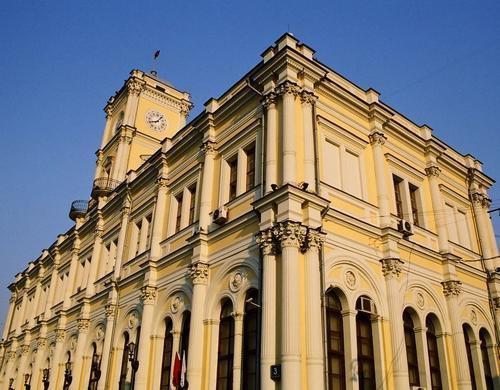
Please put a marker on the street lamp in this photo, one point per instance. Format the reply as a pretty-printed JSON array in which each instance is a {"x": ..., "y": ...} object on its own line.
[
  {"x": 45, "y": 378},
  {"x": 11, "y": 382},
  {"x": 132, "y": 357},
  {"x": 27, "y": 380},
  {"x": 68, "y": 378}
]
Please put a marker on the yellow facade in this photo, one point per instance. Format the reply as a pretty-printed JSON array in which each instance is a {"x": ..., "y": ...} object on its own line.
[{"x": 298, "y": 214}]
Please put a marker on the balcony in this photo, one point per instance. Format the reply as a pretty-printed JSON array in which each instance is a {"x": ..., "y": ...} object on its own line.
[
  {"x": 78, "y": 209},
  {"x": 103, "y": 186}
]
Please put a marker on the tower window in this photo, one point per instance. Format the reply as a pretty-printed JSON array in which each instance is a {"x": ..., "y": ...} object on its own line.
[
  {"x": 411, "y": 350},
  {"x": 179, "y": 212},
  {"x": 250, "y": 176},
  {"x": 226, "y": 348},
  {"x": 192, "y": 200},
  {"x": 413, "y": 202},
  {"x": 335, "y": 345},
  {"x": 233, "y": 177},
  {"x": 397, "y": 195}
]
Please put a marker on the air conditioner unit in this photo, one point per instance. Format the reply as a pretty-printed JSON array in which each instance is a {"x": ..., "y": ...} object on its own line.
[
  {"x": 219, "y": 215},
  {"x": 366, "y": 305},
  {"x": 405, "y": 227}
]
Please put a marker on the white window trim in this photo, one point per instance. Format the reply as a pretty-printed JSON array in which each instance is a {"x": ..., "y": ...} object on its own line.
[{"x": 405, "y": 198}]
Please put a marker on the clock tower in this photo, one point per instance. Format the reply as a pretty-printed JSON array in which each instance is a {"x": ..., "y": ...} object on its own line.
[{"x": 145, "y": 111}]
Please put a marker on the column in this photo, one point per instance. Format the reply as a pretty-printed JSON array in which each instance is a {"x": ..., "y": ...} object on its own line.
[
  {"x": 110, "y": 310},
  {"x": 134, "y": 89},
  {"x": 22, "y": 369},
  {"x": 36, "y": 373},
  {"x": 56, "y": 373},
  {"x": 290, "y": 236},
  {"x": 159, "y": 219},
  {"x": 22, "y": 311},
  {"x": 148, "y": 298},
  {"x": 481, "y": 204},
  {"x": 452, "y": 290},
  {"x": 199, "y": 277},
  {"x": 268, "y": 309},
  {"x": 477, "y": 359},
  {"x": 185, "y": 108},
  {"x": 122, "y": 236},
  {"x": 308, "y": 100},
  {"x": 72, "y": 273},
  {"x": 98, "y": 164},
  {"x": 314, "y": 322},
  {"x": 289, "y": 91},
  {"x": 351, "y": 349},
  {"x": 52, "y": 287},
  {"x": 423, "y": 357},
  {"x": 10, "y": 357},
  {"x": 377, "y": 141},
  {"x": 432, "y": 173},
  {"x": 238, "y": 347},
  {"x": 106, "y": 135},
  {"x": 7, "y": 326},
  {"x": 96, "y": 256},
  {"x": 34, "y": 307},
  {"x": 391, "y": 268},
  {"x": 269, "y": 103},
  {"x": 77, "y": 360},
  {"x": 208, "y": 149},
  {"x": 122, "y": 159}
]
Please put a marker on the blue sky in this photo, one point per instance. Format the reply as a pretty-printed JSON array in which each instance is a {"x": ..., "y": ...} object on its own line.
[{"x": 437, "y": 62}]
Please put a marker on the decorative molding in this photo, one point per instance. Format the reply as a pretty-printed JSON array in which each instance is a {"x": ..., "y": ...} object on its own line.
[
  {"x": 473, "y": 317},
  {"x": 199, "y": 273},
  {"x": 307, "y": 97},
  {"x": 99, "y": 332},
  {"x": 452, "y": 288},
  {"x": 25, "y": 348},
  {"x": 148, "y": 295},
  {"x": 496, "y": 303},
  {"x": 11, "y": 355},
  {"x": 176, "y": 303},
  {"x": 481, "y": 200},
  {"x": 162, "y": 182},
  {"x": 313, "y": 241},
  {"x": 208, "y": 147},
  {"x": 420, "y": 300},
  {"x": 60, "y": 335},
  {"x": 13, "y": 298},
  {"x": 132, "y": 320},
  {"x": 237, "y": 316},
  {"x": 433, "y": 170},
  {"x": 350, "y": 279},
  {"x": 41, "y": 343},
  {"x": 391, "y": 266},
  {"x": 135, "y": 87},
  {"x": 377, "y": 138},
  {"x": 185, "y": 107}
]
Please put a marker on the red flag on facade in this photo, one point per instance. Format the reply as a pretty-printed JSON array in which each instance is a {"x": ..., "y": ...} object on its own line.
[
  {"x": 176, "y": 371},
  {"x": 157, "y": 54}
]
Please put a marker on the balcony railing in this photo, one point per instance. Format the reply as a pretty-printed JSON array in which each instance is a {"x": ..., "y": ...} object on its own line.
[
  {"x": 78, "y": 209},
  {"x": 103, "y": 186}
]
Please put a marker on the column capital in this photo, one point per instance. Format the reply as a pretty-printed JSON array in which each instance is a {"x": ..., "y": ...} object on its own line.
[
  {"x": 391, "y": 266},
  {"x": 83, "y": 325},
  {"x": 269, "y": 100},
  {"x": 185, "y": 107},
  {"x": 265, "y": 240},
  {"x": 11, "y": 355},
  {"x": 496, "y": 303},
  {"x": 13, "y": 297},
  {"x": 199, "y": 273},
  {"x": 162, "y": 182},
  {"x": 377, "y": 138},
  {"x": 452, "y": 288},
  {"x": 208, "y": 148},
  {"x": 109, "y": 311},
  {"x": 148, "y": 295},
  {"x": 41, "y": 343},
  {"x": 288, "y": 87},
  {"x": 433, "y": 170},
  {"x": 289, "y": 234},
  {"x": 25, "y": 348},
  {"x": 60, "y": 335},
  {"x": 135, "y": 87},
  {"x": 314, "y": 240},
  {"x": 481, "y": 199},
  {"x": 308, "y": 97}
]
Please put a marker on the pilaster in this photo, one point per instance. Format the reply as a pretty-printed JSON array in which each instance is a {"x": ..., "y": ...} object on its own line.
[
  {"x": 308, "y": 100},
  {"x": 377, "y": 141},
  {"x": 148, "y": 298},
  {"x": 208, "y": 152},
  {"x": 271, "y": 137}
]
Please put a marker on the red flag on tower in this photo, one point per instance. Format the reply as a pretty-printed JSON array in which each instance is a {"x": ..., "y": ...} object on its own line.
[{"x": 176, "y": 371}]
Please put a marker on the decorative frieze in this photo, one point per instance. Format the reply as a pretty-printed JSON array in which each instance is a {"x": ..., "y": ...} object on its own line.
[
  {"x": 148, "y": 295},
  {"x": 377, "y": 138},
  {"x": 265, "y": 240},
  {"x": 433, "y": 170},
  {"x": 135, "y": 87},
  {"x": 391, "y": 267},
  {"x": 199, "y": 273},
  {"x": 289, "y": 234},
  {"x": 452, "y": 288},
  {"x": 313, "y": 240}
]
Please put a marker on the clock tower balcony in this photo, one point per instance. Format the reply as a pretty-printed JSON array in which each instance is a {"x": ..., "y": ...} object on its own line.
[
  {"x": 78, "y": 209},
  {"x": 103, "y": 186}
]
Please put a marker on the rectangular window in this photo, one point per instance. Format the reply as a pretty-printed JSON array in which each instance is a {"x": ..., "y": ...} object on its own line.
[
  {"x": 414, "y": 206},
  {"x": 233, "y": 177},
  {"x": 352, "y": 175},
  {"x": 331, "y": 166},
  {"x": 192, "y": 200},
  {"x": 450, "y": 223},
  {"x": 179, "y": 212},
  {"x": 138, "y": 228},
  {"x": 149, "y": 219},
  {"x": 463, "y": 229},
  {"x": 397, "y": 195},
  {"x": 250, "y": 178}
]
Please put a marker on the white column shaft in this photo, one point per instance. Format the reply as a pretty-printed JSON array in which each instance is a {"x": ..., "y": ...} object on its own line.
[
  {"x": 195, "y": 356},
  {"x": 268, "y": 332},
  {"x": 289, "y": 135},
  {"x": 350, "y": 349},
  {"x": 440, "y": 217},
  {"x": 238, "y": 347},
  {"x": 307, "y": 123},
  {"x": 290, "y": 317},
  {"x": 55, "y": 364},
  {"x": 141, "y": 377},
  {"x": 271, "y": 147},
  {"x": 206, "y": 191},
  {"x": 158, "y": 223},
  {"x": 314, "y": 323},
  {"x": 7, "y": 325},
  {"x": 106, "y": 350},
  {"x": 77, "y": 362},
  {"x": 121, "y": 245},
  {"x": 380, "y": 179},
  {"x": 94, "y": 263}
]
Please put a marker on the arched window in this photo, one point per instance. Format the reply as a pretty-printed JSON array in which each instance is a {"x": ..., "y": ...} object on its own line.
[
  {"x": 411, "y": 349},
  {"x": 467, "y": 336},
  {"x": 484, "y": 337},
  {"x": 226, "y": 347},
  {"x": 335, "y": 344},
  {"x": 95, "y": 369},
  {"x": 433, "y": 354},
  {"x": 364, "y": 336},
  {"x": 123, "y": 371},
  {"x": 184, "y": 344},
  {"x": 250, "y": 341},
  {"x": 166, "y": 361}
]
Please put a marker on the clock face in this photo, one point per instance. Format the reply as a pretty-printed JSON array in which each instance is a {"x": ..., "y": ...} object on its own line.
[{"x": 156, "y": 120}]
